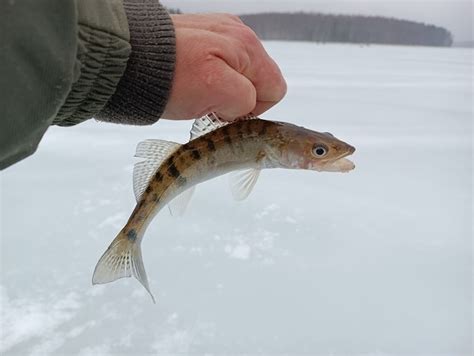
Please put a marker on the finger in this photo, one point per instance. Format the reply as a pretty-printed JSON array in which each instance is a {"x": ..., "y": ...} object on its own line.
[
  {"x": 265, "y": 74},
  {"x": 252, "y": 60},
  {"x": 235, "y": 95},
  {"x": 240, "y": 47},
  {"x": 235, "y": 55},
  {"x": 263, "y": 106}
]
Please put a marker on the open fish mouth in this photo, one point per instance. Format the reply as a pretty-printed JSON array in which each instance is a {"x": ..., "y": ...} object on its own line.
[{"x": 340, "y": 164}]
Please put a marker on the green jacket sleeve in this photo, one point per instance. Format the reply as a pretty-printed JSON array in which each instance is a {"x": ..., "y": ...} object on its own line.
[{"x": 66, "y": 61}]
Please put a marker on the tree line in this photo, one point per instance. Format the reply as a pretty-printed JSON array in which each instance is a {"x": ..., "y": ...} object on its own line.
[
  {"x": 318, "y": 27},
  {"x": 173, "y": 10}
]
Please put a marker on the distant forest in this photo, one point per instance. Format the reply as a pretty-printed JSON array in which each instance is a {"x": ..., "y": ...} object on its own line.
[
  {"x": 173, "y": 10},
  {"x": 317, "y": 27}
]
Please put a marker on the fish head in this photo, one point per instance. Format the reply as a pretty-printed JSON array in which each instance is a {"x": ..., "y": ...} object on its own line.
[{"x": 301, "y": 148}]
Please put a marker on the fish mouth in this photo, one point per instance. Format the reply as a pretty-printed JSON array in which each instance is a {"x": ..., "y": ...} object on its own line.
[
  {"x": 348, "y": 153},
  {"x": 344, "y": 165},
  {"x": 341, "y": 163}
]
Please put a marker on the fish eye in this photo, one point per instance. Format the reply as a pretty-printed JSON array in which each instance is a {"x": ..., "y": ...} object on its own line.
[{"x": 320, "y": 150}]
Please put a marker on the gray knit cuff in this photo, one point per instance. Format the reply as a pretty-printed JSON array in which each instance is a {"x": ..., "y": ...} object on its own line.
[{"x": 143, "y": 90}]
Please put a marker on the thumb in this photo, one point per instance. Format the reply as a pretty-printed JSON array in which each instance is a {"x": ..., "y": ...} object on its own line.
[{"x": 235, "y": 94}]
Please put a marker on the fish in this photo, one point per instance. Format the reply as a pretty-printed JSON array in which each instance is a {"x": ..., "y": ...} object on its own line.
[{"x": 169, "y": 173}]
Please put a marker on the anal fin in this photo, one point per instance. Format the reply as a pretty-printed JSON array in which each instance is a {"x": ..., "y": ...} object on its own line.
[{"x": 178, "y": 205}]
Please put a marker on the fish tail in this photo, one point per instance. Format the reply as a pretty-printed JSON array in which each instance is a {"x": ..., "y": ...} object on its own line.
[{"x": 123, "y": 258}]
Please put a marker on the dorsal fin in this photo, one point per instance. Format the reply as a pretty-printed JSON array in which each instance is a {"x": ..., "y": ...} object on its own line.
[
  {"x": 210, "y": 122},
  {"x": 155, "y": 152},
  {"x": 205, "y": 124}
]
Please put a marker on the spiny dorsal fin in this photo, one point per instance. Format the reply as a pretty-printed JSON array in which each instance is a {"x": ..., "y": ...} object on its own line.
[
  {"x": 210, "y": 122},
  {"x": 205, "y": 124},
  {"x": 155, "y": 152},
  {"x": 242, "y": 182}
]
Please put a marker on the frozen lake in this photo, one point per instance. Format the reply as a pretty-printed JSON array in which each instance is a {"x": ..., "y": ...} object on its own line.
[{"x": 377, "y": 261}]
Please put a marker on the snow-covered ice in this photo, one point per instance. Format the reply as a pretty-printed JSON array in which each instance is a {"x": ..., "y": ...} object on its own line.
[{"x": 377, "y": 261}]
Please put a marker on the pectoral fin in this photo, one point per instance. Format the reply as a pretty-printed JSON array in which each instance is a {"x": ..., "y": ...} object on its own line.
[{"x": 242, "y": 183}]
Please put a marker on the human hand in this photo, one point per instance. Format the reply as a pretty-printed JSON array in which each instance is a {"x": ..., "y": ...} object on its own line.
[{"x": 222, "y": 67}]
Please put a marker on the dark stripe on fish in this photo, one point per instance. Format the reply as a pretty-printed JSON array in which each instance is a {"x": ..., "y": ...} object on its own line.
[
  {"x": 158, "y": 176},
  {"x": 173, "y": 171},
  {"x": 195, "y": 154},
  {"x": 225, "y": 132},
  {"x": 240, "y": 133},
  {"x": 247, "y": 127},
  {"x": 210, "y": 145},
  {"x": 132, "y": 235}
]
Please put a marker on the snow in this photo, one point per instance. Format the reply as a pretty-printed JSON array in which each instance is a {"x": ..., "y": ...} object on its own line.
[{"x": 377, "y": 261}]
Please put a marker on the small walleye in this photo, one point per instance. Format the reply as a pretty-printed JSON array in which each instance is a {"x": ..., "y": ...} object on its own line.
[{"x": 170, "y": 172}]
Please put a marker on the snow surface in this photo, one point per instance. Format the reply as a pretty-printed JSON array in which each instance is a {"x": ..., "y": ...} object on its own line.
[{"x": 377, "y": 261}]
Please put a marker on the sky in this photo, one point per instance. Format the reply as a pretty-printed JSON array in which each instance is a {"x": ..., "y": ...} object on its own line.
[{"x": 454, "y": 15}]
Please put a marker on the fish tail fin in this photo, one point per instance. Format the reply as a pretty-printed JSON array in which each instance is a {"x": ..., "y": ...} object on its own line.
[{"x": 123, "y": 258}]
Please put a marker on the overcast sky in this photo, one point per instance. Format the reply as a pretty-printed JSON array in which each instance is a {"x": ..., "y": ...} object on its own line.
[{"x": 455, "y": 15}]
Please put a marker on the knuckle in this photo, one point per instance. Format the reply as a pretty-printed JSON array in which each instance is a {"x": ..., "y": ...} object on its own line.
[
  {"x": 211, "y": 75},
  {"x": 248, "y": 36},
  {"x": 233, "y": 18},
  {"x": 249, "y": 102},
  {"x": 281, "y": 88},
  {"x": 235, "y": 104},
  {"x": 275, "y": 81}
]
